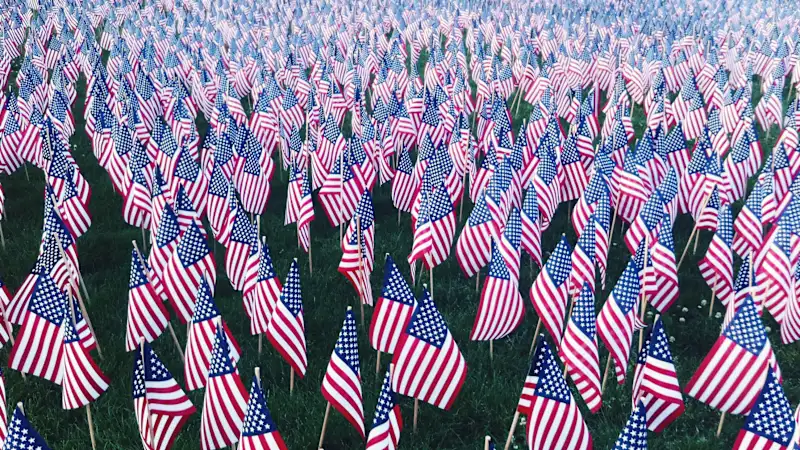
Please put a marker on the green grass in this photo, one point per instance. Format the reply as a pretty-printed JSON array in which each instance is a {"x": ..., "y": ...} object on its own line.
[{"x": 486, "y": 403}]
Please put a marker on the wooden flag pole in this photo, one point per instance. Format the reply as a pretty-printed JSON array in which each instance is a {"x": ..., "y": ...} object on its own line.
[
  {"x": 169, "y": 324},
  {"x": 362, "y": 274},
  {"x": 378, "y": 364},
  {"x": 694, "y": 231},
  {"x": 416, "y": 413},
  {"x": 291, "y": 380},
  {"x": 88, "y": 408},
  {"x": 713, "y": 295},
  {"x": 643, "y": 306},
  {"x": 258, "y": 375},
  {"x": 614, "y": 219},
  {"x": 535, "y": 335},
  {"x": 324, "y": 425},
  {"x": 144, "y": 239},
  {"x": 605, "y": 374},
  {"x": 10, "y": 329},
  {"x": 511, "y": 430},
  {"x": 2, "y": 236},
  {"x": 486, "y": 443},
  {"x": 91, "y": 426},
  {"x": 491, "y": 350},
  {"x": 80, "y": 299},
  {"x": 430, "y": 272},
  {"x": 721, "y": 421}
]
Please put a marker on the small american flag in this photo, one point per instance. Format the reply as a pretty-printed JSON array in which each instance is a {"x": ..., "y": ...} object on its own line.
[
  {"x": 201, "y": 337},
  {"x": 191, "y": 261},
  {"x": 531, "y": 229},
  {"x": 501, "y": 308},
  {"x": 286, "y": 330},
  {"x": 226, "y": 398},
  {"x": 161, "y": 406},
  {"x": 267, "y": 290},
  {"x": 664, "y": 290},
  {"x": 435, "y": 229},
  {"x": 716, "y": 267},
  {"x": 38, "y": 347},
  {"x": 579, "y": 349},
  {"x": 428, "y": 364},
  {"x": 387, "y": 423},
  {"x": 730, "y": 377},
  {"x": 473, "y": 248},
  {"x": 655, "y": 382},
  {"x": 341, "y": 386},
  {"x": 392, "y": 310},
  {"x": 147, "y": 315},
  {"x": 634, "y": 435},
  {"x": 404, "y": 184},
  {"x": 619, "y": 318},
  {"x": 549, "y": 293},
  {"x": 259, "y": 431},
  {"x": 770, "y": 424},
  {"x": 531, "y": 378},
  {"x": 554, "y": 415},
  {"x": 748, "y": 234},
  {"x": 239, "y": 248},
  {"x": 82, "y": 381},
  {"x": 583, "y": 260},
  {"x": 22, "y": 435}
]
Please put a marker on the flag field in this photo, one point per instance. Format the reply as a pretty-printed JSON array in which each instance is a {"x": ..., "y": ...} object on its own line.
[{"x": 489, "y": 396}]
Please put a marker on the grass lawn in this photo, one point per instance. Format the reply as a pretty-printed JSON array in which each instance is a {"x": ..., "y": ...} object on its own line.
[{"x": 487, "y": 401}]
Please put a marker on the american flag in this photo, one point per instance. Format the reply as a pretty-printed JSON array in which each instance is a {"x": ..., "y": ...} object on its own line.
[
  {"x": 587, "y": 203},
  {"x": 434, "y": 230},
  {"x": 201, "y": 338},
  {"x": 550, "y": 293},
  {"x": 716, "y": 267},
  {"x": 428, "y": 364},
  {"x": 252, "y": 175},
  {"x": 773, "y": 265},
  {"x": 191, "y": 261},
  {"x": 74, "y": 211},
  {"x": 532, "y": 377},
  {"x": 393, "y": 309},
  {"x": 286, "y": 330},
  {"x": 743, "y": 162},
  {"x": 531, "y": 230},
  {"x": 583, "y": 260},
  {"x": 38, "y": 347},
  {"x": 655, "y": 382},
  {"x": 265, "y": 294},
  {"x": 184, "y": 210},
  {"x": 82, "y": 382},
  {"x": 579, "y": 349},
  {"x": 226, "y": 397},
  {"x": 259, "y": 431},
  {"x": 161, "y": 406},
  {"x": 548, "y": 190},
  {"x": 137, "y": 207},
  {"x": 748, "y": 234},
  {"x": 575, "y": 179},
  {"x": 632, "y": 192},
  {"x": 22, "y": 435},
  {"x": 217, "y": 199},
  {"x": 501, "y": 308},
  {"x": 646, "y": 222},
  {"x": 473, "y": 248},
  {"x": 634, "y": 435},
  {"x": 770, "y": 424},
  {"x": 744, "y": 285},
  {"x": 554, "y": 415},
  {"x": 50, "y": 263},
  {"x": 341, "y": 386},
  {"x": 387, "y": 422},
  {"x": 188, "y": 174},
  {"x": 664, "y": 290},
  {"x": 147, "y": 315},
  {"x": 404, "y": 184},
  {"x": 164, "y": 241},
  {"x": 730, "y": 377},
  {"x": 619, "y": 318},
  {"x": 358, "y": 248},
  {"x": 240, "y": 246},
  {"x": 305, "y": 216}
]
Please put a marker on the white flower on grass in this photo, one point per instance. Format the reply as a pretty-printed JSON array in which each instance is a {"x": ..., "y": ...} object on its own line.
[
  {"x": 649, "y": 313},
  {"x": 703, "y": 302},
  {"x": 681, "y": 320},
  {"x": 684, "y": 309},
  {"x": 672, "y": 338},
  {"x": 768, "y": 329},
  {"x": 717, "y": 315}
]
